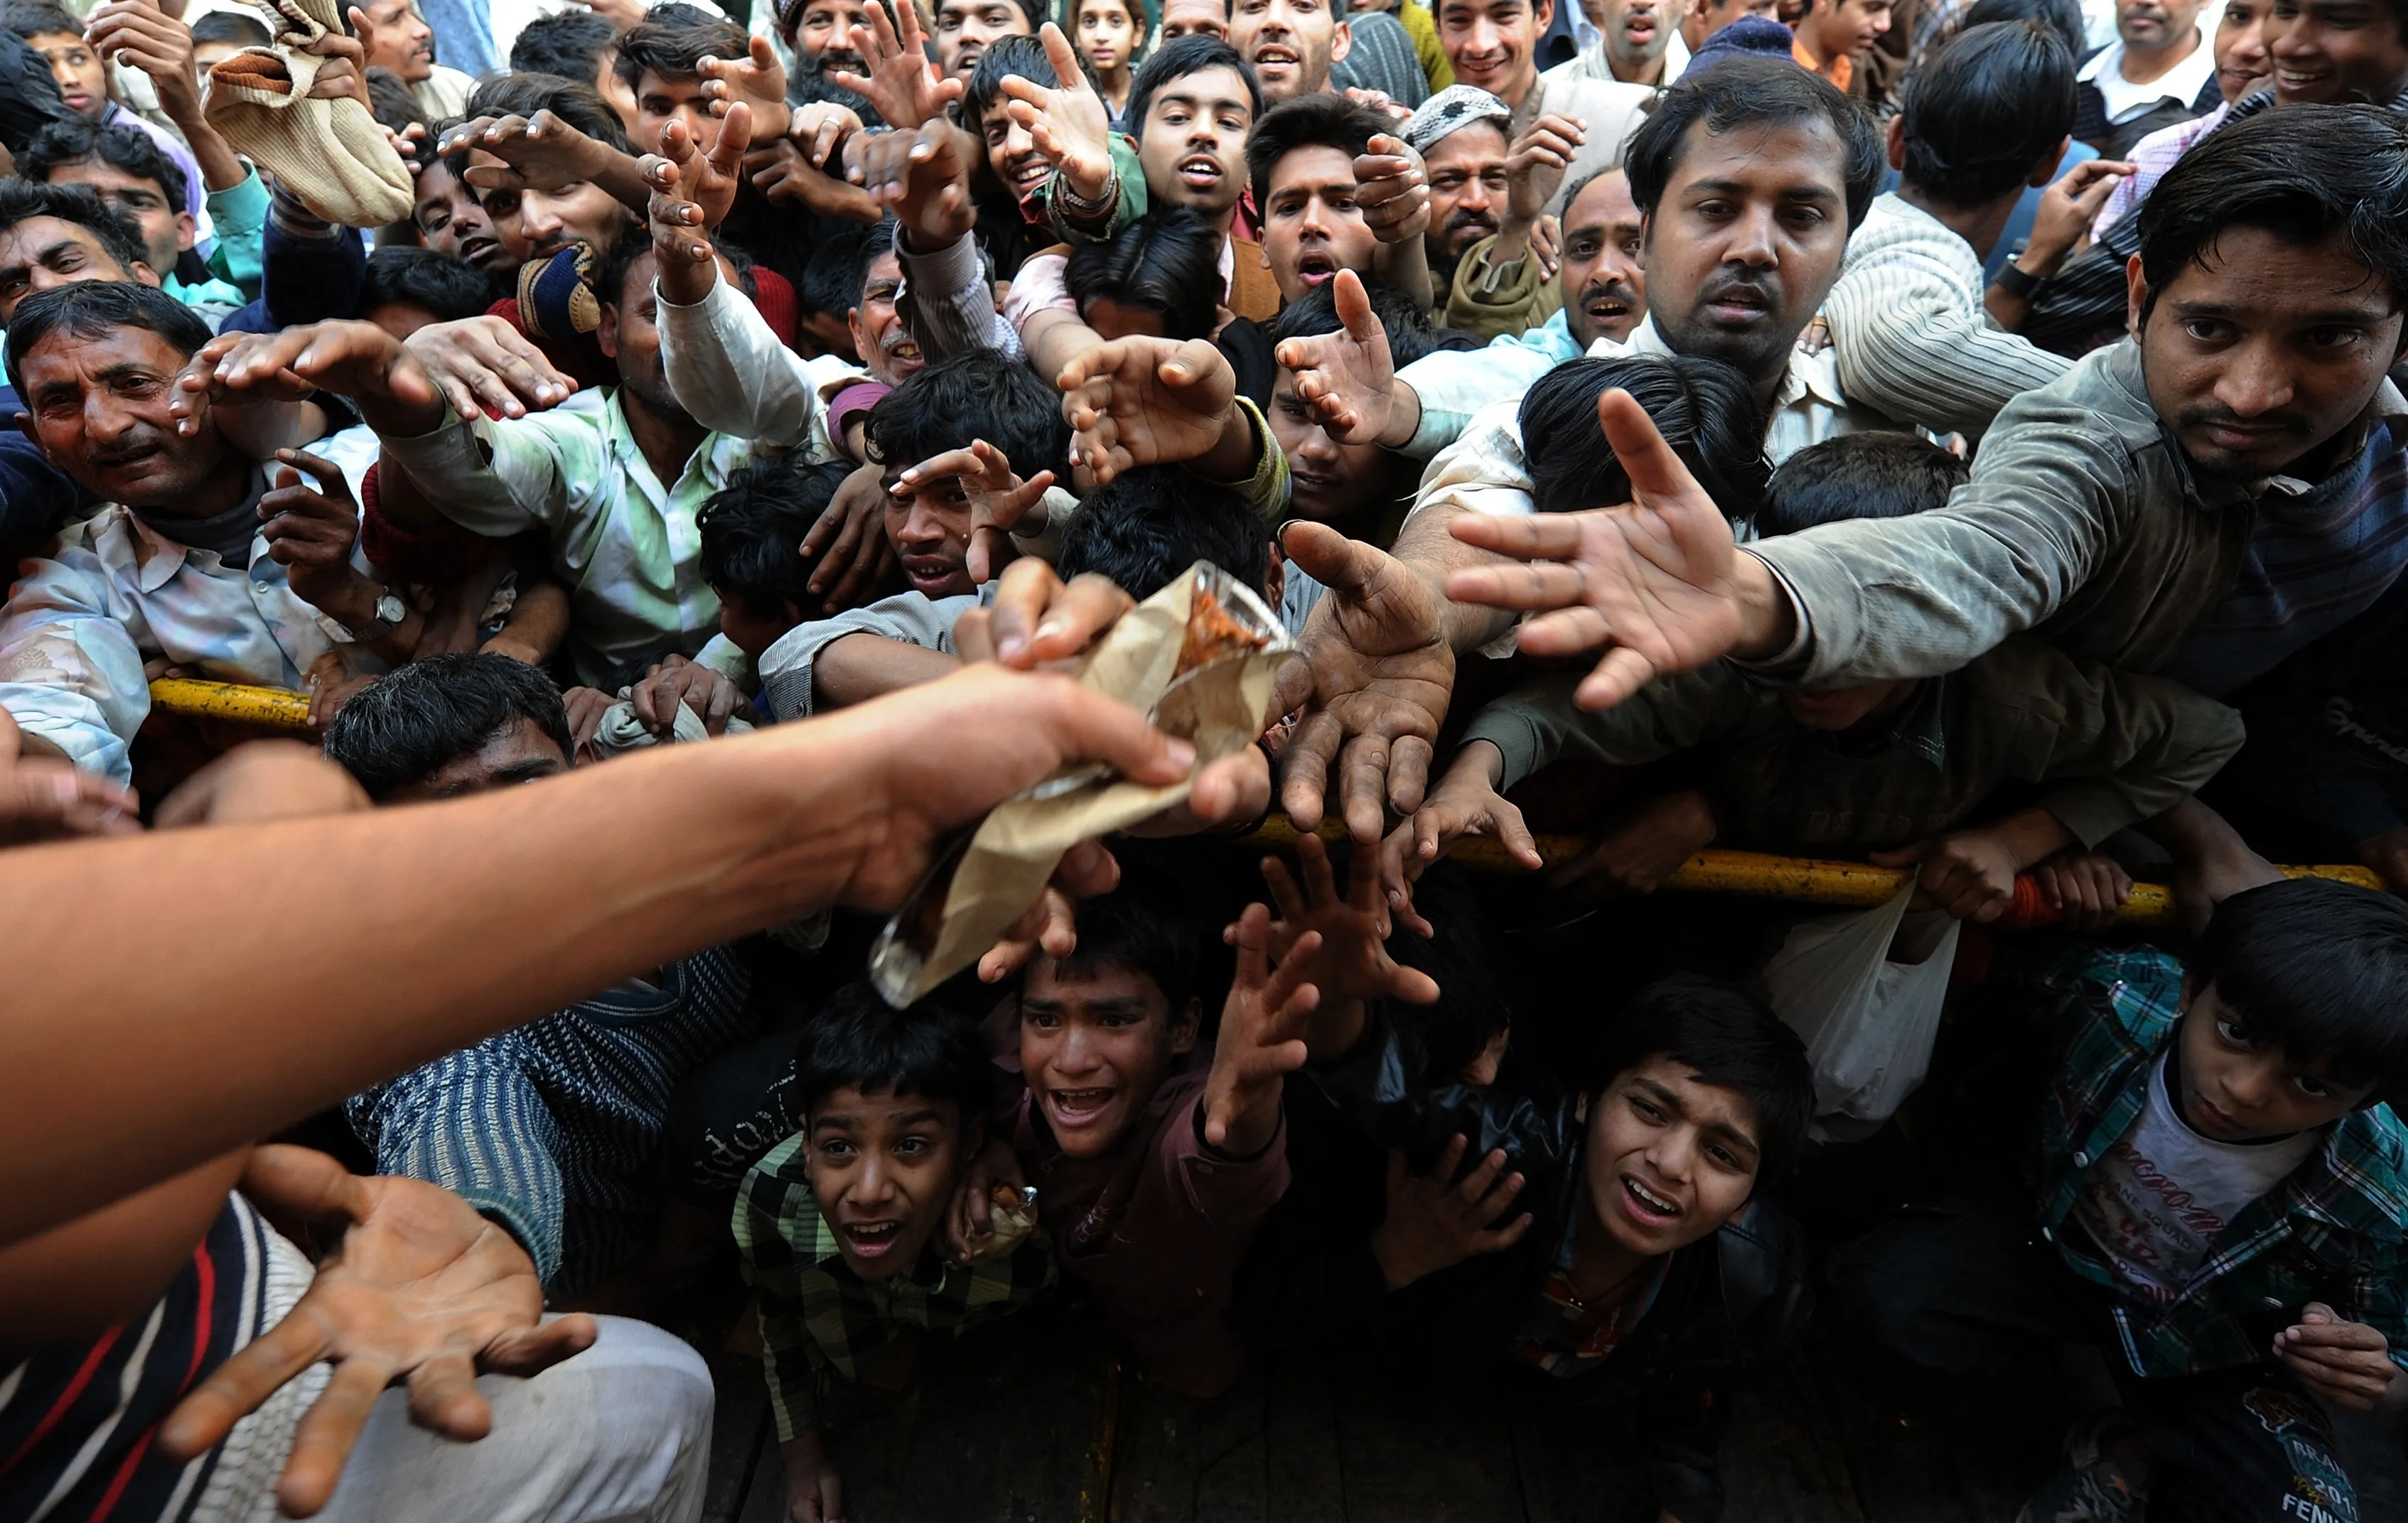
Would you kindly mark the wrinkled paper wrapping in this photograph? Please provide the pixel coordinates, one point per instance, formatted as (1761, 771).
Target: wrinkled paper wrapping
(1218, 708)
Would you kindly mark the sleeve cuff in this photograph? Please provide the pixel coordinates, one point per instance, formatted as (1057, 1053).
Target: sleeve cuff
(2092, 808)
(1791, 658)
(943, 271)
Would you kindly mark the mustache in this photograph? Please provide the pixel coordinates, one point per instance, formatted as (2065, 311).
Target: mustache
(1763, 288)
(1617, 288)
(2213, 414)
(138, 442)
(832, 58)
(1471, 217)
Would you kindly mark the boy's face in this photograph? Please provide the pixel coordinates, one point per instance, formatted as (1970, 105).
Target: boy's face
(451, 220)
(82, 77)
(522, 751)
(1193, 141)
(1332, 482)
(966, 28)
(1837, 708)
(1312, 226)
(661, 101)
(750, 632)
(2236, 1091)
(1095, 1048)
(1011, 152)
(929, 527)
(1669, 1159)
(166, 230)
(882, 1167)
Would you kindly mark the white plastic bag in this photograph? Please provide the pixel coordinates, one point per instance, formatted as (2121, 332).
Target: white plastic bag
(1868, 1023)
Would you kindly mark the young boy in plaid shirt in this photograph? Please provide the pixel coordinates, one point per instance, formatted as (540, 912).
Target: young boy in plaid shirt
(2223, 1200)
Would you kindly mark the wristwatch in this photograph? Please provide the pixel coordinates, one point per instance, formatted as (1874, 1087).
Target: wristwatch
(2017, 281)
(390, 612)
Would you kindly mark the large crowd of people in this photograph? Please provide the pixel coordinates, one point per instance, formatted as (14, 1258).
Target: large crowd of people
(683, 454)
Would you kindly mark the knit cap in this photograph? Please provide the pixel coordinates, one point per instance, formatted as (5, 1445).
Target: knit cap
(1450, 111)
(330, 153)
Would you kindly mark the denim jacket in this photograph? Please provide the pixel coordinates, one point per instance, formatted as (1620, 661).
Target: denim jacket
(2333, 1231)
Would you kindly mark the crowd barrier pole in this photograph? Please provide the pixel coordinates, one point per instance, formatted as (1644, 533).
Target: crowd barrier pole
(1747, 874)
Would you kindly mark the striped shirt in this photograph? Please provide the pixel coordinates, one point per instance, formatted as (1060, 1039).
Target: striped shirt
(554, 1129)
(1381, 58)
(80, 1419)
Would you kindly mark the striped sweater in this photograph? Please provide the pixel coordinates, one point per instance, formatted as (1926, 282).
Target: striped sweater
(554, 1129)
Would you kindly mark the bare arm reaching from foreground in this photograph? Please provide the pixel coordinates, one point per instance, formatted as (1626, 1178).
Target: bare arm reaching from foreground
(195, 989)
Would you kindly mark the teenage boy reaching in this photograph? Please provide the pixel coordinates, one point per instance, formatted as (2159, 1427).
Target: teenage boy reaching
(2218, 1208)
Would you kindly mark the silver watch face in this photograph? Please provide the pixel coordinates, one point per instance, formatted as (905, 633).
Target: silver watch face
(390, 610)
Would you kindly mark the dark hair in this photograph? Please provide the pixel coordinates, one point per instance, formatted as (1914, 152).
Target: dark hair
(1984, 110)
(444, 285)
(1168, 261)
(416, 719)
(1745, 91)
(2318, 968)
(38, 18)
(94, 310)
(576, 102)
(978, 393)
(2304, 174)
(242, 30)
(22, 200)
(1150, 924)
(1319, 121)
(570, 45)
(72, 140)
(855, 1042)
(1705, 409)
(2063, 17)
(672, 41)
(1146, 526)
(753, 532)
(1878, 474)
(391, 102)
(1021, 56)
(1176, 59)
(1316, 312)
(1460, 958)
(1731, 1040)
(831, 282)
(874, 245)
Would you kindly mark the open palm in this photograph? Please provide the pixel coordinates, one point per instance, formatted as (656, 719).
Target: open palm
(1144, 401)
(1345, 376)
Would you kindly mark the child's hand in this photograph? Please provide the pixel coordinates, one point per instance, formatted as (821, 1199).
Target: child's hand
(1262, 1037)
(2084, 888)
(1644, 847)
(814, 1490)
(1435, 1223)
(1353, 962)
(1969, 873)
(2347, 1364)
(1464, 803)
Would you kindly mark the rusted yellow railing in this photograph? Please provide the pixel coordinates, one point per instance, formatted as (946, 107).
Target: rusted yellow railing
(1748, 874)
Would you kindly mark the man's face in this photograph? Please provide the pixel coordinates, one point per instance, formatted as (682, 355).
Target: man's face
(882, 1169)
(1669, 1159)
(2328, 51)
(451, 221)
(166, 230)
(929, 526)
(44, 252)
(1333, 482)
(630, 334)
(886, 348)
(966, 29)
(1311, 228)
(82, 77)
(208, 55)
(537, 225)
(823, 36)
(2235, 1090)
(2152, 25)
(1291, 44)
(1494, 43)
(519, 752)
(1707, 17)
(1193, 143)
(404, 43)
(1747, 242)
(1194, 17)
(2242, 60)
(99, 411)
(1011, 152)
(1467, 189)
(1095, 1048)
(1637, 32)
(660, 101)
(2259, 356)
(1604, 291)
(1850, 27)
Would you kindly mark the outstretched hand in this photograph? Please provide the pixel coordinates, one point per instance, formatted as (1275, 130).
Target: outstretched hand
(421, 1290)
(1352, 964)
(1375, 679)
(358, 360)
(1068, 123)
(1263, 1026)
(1652, 581)
(757, 79)
(706, 180)
(1142, 401)
(1345, 378)
(998, 498)
(1464, 803)
(901, 84)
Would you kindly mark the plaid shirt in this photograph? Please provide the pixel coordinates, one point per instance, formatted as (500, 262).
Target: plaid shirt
(2333, 1231)
(818, 1317)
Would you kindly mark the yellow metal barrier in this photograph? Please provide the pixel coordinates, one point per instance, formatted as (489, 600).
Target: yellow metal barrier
(270, 708)
(1748, 874)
